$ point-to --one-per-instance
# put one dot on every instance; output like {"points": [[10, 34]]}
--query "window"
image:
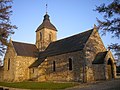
{"points": [[50, 37], [40, 36], [54, 67], [70, 64], [33, 70], [8, 64]]}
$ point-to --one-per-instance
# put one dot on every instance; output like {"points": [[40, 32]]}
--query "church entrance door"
{"points": [[110, 69]]}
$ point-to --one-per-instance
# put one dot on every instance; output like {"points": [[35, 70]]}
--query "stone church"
{"points": [[81, 57]]}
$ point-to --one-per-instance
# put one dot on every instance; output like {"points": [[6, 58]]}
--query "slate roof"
{"points": [[46, 24], [25, 49], [99, 59], [70, 44], [66, 45]]}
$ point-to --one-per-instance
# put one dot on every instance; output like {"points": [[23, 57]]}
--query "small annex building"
{"points": [[81, 57]]}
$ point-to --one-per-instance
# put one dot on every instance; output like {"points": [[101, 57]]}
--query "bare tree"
{"points": [[6, 29]]}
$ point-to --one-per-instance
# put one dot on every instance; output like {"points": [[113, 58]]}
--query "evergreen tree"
{"points": [[6, 29], [111, 22]]}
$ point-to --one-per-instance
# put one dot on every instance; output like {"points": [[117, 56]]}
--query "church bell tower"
{"points": [[45, 33]]}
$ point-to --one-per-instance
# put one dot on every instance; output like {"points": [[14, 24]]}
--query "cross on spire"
{"points": [[46, 8]]}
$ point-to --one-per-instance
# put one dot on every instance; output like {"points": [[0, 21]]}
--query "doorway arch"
{"points": [[110, 68]]}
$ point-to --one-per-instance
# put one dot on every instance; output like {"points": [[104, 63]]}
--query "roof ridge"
{"points": [[72, 36], [67, 45], [25, 49], [23, 43]]}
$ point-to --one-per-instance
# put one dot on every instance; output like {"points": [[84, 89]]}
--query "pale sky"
{"points": [[68, 16]]}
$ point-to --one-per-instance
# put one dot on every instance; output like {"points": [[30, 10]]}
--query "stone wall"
{"points": [[1, 74], [16, 67], [9, 58], [109, 56], [62, 72], [93, 46], [33, 74], [22, 68], [43, 42], [99, 71]]}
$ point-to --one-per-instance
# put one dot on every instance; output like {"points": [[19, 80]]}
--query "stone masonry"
{"points": [[81, 57]]}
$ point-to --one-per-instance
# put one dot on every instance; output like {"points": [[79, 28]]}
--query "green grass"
{"points": [[38, 85]]}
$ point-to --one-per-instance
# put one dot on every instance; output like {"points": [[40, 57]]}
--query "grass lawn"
{"points": [[38, 85]]}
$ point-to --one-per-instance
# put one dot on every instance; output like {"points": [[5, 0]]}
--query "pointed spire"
{"points": [[46, 22]]}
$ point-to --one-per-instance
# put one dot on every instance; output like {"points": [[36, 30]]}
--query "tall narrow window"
{"points": [[50, 37], [40, 36], [54, 67], [9, 64], [33, 70], [70, 64]]}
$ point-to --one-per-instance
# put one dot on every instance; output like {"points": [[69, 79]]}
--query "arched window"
{"points": [[33, 70], [40, 36], [70, 64], [54, 66], [8, 64], [50, 37]]}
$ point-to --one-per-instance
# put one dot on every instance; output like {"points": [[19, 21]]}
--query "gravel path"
{"points": [[103, 85]]}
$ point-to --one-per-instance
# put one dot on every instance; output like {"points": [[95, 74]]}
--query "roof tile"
{"points": [[67, 45], [46, 24], [25, 49], [99, 59], [70, 44]]}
